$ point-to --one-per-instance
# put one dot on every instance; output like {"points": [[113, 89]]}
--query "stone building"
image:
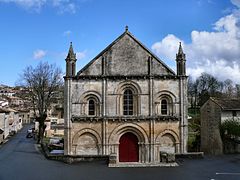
{"points": [[125, 103], [1, 136], [214, 112], [9, 121]]}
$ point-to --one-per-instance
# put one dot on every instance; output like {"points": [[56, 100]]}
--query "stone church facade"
{"points": [[125, 103]]}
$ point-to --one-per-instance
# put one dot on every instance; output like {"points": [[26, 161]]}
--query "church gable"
{"points": [[125, 56]]}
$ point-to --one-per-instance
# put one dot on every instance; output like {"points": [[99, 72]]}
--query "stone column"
{"points": [[67, 116], [104, 96], [152, 143], [150, 86], [183, 114], [152, 122]]}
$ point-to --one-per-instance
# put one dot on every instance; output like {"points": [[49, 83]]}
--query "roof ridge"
{"points": [[227, 103], [102, 52], [150, 52]]}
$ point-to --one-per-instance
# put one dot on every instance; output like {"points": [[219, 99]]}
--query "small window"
{"points": [[91, 107], [128, 102], [234, 113], [164, 107]]}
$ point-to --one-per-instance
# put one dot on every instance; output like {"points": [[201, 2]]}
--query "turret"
{"points": [[181, 61], [71, 62]]}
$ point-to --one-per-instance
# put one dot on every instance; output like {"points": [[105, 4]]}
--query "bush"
{"points": [[230, 128]]}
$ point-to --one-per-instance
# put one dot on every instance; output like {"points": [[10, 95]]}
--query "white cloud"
{"points": [[168, 47], [216, 52], [219, 69], [62, 6], [81, 55], [39, 54], [65, 6], [34, 5], [236, 3]]}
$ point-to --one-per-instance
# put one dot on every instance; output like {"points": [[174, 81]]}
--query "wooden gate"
{"points": [[128, 148]]}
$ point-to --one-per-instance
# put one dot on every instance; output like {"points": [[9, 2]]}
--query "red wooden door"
{"points": [[128, 148]]}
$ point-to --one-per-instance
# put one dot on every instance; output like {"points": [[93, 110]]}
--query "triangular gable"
{"points": [[125, 56]]}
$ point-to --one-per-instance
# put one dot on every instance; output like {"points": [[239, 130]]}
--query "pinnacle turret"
{"points": [[180, 55], [71, 55], [180, 50], [71, 62], [181, 61]]}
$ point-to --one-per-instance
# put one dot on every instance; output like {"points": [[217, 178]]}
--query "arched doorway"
{"points": [[128, 148]]}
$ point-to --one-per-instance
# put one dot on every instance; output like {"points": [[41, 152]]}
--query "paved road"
{"points": [[20, 160]]}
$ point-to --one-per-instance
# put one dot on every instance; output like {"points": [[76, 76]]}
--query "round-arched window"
{"points": [[91, 107], [164, 107], [128, 102]]}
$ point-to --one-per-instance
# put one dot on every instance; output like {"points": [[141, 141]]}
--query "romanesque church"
{"points": [[125, 103]]}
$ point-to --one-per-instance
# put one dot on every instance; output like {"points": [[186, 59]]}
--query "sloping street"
{"points": [[20, 159]]}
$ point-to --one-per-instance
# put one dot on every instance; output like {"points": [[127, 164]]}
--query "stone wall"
{"points": [[88, 137], [81, 89], [228, 115], [211, 142], [125, 65], [125, 57]]}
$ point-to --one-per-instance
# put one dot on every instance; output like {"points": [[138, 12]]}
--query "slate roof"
{"points": [[227, 104]]}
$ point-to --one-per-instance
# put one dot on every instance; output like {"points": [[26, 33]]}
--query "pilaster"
{"points": [[67, 116], [104, 95], [183, 113]]}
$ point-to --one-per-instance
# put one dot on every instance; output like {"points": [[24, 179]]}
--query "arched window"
{"points": [[128, 102], [164, 107], [91, 107]]}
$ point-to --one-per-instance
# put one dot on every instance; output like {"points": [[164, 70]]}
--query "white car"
{"points": [[30, 130]]}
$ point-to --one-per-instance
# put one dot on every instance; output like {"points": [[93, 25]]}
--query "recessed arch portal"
{"points": [[168, 141], [86, 142], [87, 145], [128, 148]]}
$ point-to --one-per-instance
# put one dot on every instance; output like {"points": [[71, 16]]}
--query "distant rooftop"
{"points": [[227, 104]]}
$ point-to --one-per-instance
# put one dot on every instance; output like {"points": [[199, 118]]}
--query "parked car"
{"points": [[31, 130], [29, 135]]}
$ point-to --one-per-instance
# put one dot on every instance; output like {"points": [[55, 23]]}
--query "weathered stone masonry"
{"points": [[125, 94]]}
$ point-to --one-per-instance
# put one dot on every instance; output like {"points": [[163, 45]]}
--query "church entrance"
{"points": [[128, 148]]}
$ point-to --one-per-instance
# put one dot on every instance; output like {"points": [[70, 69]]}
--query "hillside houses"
{"points": [[16, 110], [9, 122]]}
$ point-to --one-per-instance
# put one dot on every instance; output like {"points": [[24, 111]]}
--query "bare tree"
{"points": [[43, 82], [193, 92], [208, 83], [228, 88], [204, 86], [237, 87]]}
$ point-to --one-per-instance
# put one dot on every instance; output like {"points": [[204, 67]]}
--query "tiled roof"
{"points": [[227, 104], [7, 110], [4, 110]]}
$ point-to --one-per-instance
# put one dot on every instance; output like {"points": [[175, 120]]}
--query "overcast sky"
{"points": [[41, 30]]}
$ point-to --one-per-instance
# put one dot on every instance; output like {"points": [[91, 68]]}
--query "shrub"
{"points": [[230, 128]]}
